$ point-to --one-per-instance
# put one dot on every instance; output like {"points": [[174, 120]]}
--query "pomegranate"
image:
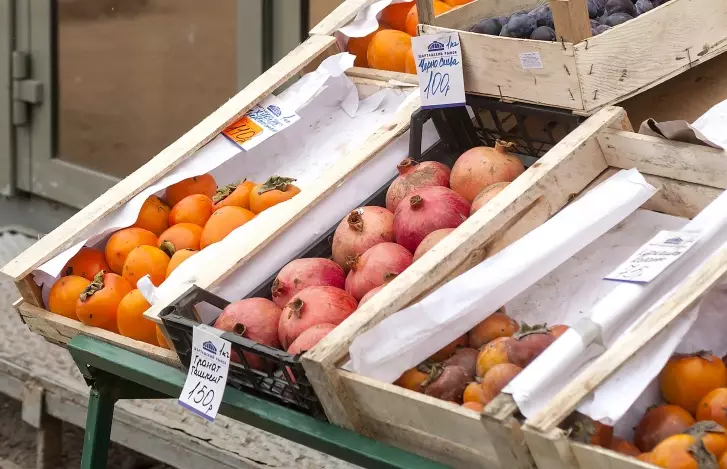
{"points": [[363, 228], [375, 267], [255, 319], [427, 210], [480, 167], [486, 195], [430, 240], [309, 338], [313, 306], [412, 177], [303, 273]]}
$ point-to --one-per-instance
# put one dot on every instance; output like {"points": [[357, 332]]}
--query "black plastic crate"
{"points": [[283, 379]]}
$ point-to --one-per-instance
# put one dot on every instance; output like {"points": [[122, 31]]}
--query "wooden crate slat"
{"points": [[471, 13], [647, 50], [341, 16], [76, 228]]}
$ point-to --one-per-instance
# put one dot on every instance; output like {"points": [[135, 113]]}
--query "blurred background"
{"points": [[92, 89]]}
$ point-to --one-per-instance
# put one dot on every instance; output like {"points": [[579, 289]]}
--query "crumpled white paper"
{"points": [[333, 122], [365, 22], [406, 338], [713, 124]]}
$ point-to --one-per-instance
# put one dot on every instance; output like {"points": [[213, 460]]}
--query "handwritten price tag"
{"points": [[260, 123], [207, 376], [654, 257], [438, 60]]}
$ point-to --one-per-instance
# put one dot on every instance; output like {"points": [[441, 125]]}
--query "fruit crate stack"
{"points": [[603, 52]]}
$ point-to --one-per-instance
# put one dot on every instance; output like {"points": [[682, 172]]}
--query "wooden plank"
{"points": [[425, 10], [341, 16], [29, 290], [505, 434], [406, 409], [595, 457], [661, 157], [382, 75], [681, 199], [571, 20], [467, 15], [562, 165], [688, 294], [550, 450], [492, 67], [31, 411], [61, 329], [49, 443], [76, 228], [624, 60], [291, 210]]}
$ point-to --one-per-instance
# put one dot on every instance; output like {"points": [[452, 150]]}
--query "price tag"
{"points": [[654, 257], [260, 123], [530, 60], [207, 376], [438, 59]]}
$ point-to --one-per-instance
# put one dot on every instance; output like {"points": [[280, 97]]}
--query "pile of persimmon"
{"points": [[389, 47], [97, 286]]}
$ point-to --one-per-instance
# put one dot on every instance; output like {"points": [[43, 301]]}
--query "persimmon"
{"points": [[714, 407], [64, 294], [498, 376], [686, 379], [98, 303], [182, 236], [412, 379], [223, 222], [624, 447], [388, 50], [496, 325], [412, 18], [449, 349], [195, 208], [494, 353], [410, 65], [687, 451], [723, 461], [456, 3], [237, 194], [646, 457], [558, 330], [131, 321], [146, 260], [395, 15], [122, 242], [154, 215], [476, 392], [275, 190], [204, 184], [586, 430], [659, 423], [177, 258], [86, 263], [476, 406], [358, 47], [161, 340]]}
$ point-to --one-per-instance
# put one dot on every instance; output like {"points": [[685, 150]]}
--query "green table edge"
{"points": [[268, 416]]}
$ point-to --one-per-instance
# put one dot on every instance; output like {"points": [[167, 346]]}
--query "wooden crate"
{"points": [[580, 72], [60, 330], [442, 430]]}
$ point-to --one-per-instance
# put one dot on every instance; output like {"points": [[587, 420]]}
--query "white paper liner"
{"points": [[365, 22]]}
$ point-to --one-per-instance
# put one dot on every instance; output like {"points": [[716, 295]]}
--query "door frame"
{"points": [[7, 139]]}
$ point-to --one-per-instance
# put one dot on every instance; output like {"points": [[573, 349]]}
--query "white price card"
{"points": [[438, 59], [654, 257], [260, 123], [207, 376]]}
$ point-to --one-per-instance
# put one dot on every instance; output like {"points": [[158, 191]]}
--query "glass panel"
{"points": [[134, 75]]}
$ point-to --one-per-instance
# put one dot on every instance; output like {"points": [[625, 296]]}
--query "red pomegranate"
{"points": [[480, 167], [309, 338], [303, 273], [412, 177], [363, 228], [375, 267]]}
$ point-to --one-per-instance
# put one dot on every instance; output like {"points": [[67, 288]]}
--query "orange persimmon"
{"points": [[161, 341], [131, 321], [449, 349], [682, 451], [182, 236], [195, 208], [476, 406], [177, 258], [64, 294], [358, 47], [146, 260], [154, 215], [659, 423], [275, 190], [498, 324], [713, 406], [204, 184], [223, 222], [395, 15], [686, 379], [234, 194], [412, 379], [412, 18], [494, 353], [98, 303], [122, 242], [624, 447], [86, 263], [388, 50]]}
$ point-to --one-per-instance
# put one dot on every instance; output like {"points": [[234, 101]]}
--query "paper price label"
{"points": [[207, 375], [260, 123], [654, 257], [530, 60], [438, 59]]}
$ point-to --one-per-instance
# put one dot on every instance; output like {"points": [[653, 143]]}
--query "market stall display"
{"points": [[580, 71]]}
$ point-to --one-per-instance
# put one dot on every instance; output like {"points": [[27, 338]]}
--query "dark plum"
{"points": [[659, 2], [543, 16], [618, 18], [601, 28], [487, 26], [620, 6], [543, 33], [594, 23], [642, 6], [520, 26], [592, 9], [502, 20]]}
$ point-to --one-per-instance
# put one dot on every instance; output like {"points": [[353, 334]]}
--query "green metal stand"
{"points": [[114, 373]]}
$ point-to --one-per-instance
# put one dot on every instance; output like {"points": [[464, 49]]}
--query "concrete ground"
{"points": [[160, 429]]}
